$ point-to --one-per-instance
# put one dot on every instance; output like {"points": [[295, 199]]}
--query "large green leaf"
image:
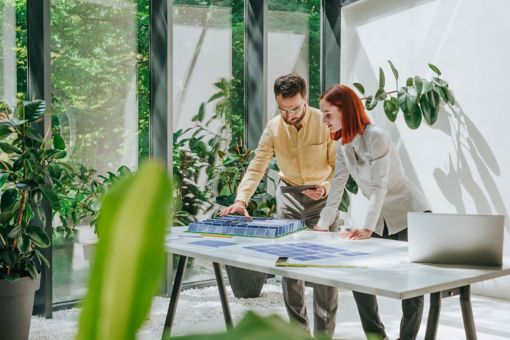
{"points": [[382, 79], [413, 120], [418, 83], [3, 178], [394, 70], [34, 109], [429, 112], [360, 88], [371, 103], [435, 69], [380, 94], [50, 195], [58, 142], [12, 122], [5, 131], [129, 258], [406, 99], [39, 236], [8, 199], [8, 148], [391, 108]]}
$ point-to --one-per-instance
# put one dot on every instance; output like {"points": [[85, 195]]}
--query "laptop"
{"points": [[456, 238]]}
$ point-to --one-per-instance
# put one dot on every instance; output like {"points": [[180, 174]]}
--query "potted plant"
{"points": [[28, 160]]}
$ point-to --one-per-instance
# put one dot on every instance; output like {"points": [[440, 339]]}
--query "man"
{"points": [[305, 154]]}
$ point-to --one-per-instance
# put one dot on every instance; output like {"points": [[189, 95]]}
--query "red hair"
{"points": [[354, 117]]}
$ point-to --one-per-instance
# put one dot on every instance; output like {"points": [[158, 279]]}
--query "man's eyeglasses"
{"points": [[293, 111]]}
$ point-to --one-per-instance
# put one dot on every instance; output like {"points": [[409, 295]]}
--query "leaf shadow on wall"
{"points": [[470, 147]]}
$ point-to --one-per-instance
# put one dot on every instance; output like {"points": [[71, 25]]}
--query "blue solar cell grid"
{"points": [[304, 251], [242, 226]]}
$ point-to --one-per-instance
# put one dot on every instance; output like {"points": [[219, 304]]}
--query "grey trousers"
{"points": [[412, 309], [325, 298]]}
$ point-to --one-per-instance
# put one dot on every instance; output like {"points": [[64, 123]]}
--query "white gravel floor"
{"points": [[199, 311]]}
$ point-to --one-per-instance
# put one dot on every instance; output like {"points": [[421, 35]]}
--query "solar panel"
{"points": [[249, 227]]}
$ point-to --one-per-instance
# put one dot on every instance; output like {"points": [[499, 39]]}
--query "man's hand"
{"points": [[317, 228], [239, 207], [315, 194], [360, 234]]}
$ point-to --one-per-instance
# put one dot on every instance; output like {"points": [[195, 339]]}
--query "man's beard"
{"points": [[296, 122]]}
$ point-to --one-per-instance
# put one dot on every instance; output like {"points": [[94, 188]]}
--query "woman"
{"points": [[365, 152]]}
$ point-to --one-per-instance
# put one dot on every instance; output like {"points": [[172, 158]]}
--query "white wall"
{"points": [[462, 163]]}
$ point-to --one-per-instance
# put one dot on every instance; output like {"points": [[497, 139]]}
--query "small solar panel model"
{"points": [[243, 226]]}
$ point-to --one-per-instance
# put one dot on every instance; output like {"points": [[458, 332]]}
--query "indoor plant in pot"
{"points": [[25, 184]]}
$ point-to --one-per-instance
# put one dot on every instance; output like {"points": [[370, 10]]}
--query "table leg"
{"points": [[433, 319], [467, 312], [223, 295], [176, 289]]}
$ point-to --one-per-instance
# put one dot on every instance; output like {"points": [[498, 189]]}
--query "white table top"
{"points": [[385, 271]]}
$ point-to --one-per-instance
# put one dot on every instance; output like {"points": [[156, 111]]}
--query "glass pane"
{"points": [[94, 100], [293, 45], [8, 52], [207, 87]]}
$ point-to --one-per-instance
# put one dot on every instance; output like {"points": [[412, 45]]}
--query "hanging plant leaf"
{"points": [[418, 82], [434, 99], [351, 185], [380, 94], [440, 82], [360, 88], [406, 100], [394, 70], [427, 86], [382, 80], [413, 120], [391, 109], [409, 81], [344, 205], [370, 103], [435, 69], [429, 112]]}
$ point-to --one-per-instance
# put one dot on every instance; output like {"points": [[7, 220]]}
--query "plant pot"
{"points": [[89, 249], [16, 304], [63, 253], [245, 283]]}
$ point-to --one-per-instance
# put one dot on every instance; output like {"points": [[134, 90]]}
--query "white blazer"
{"points": [[371, 159]]}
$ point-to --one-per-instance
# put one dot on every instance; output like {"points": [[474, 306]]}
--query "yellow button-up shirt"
{"points": [[304, 157]]}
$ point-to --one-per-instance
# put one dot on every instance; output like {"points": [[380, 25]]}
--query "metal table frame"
{"points": [[463, 292]]}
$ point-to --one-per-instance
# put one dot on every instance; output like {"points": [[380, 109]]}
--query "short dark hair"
{"points": [[289, 85]]}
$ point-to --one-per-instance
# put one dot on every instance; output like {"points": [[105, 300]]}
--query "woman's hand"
{"points": [[360, 234]]}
